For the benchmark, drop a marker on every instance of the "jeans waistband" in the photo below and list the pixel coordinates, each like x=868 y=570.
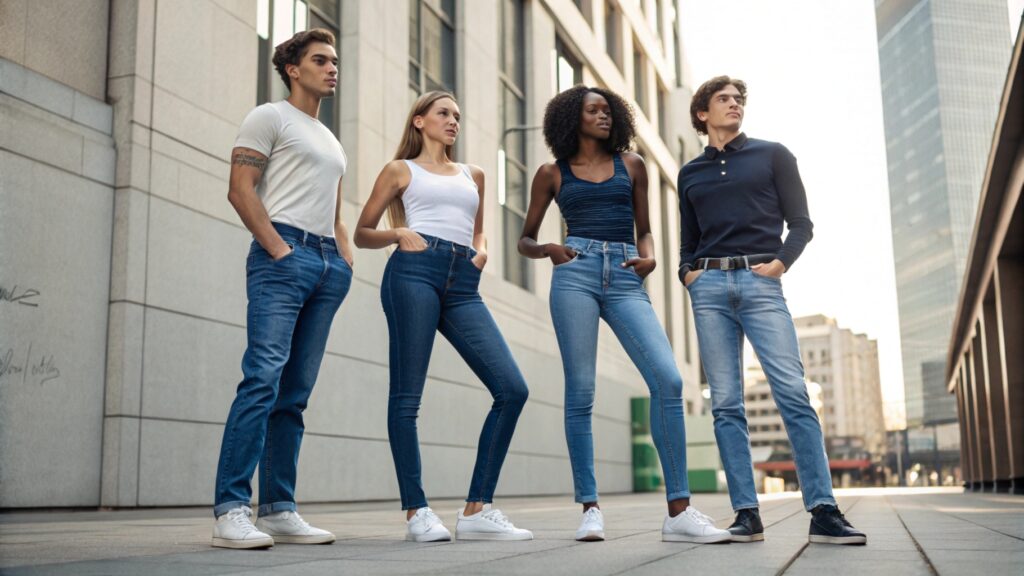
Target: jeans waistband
x=303 y=238
x=626 y=249
x=442 y=245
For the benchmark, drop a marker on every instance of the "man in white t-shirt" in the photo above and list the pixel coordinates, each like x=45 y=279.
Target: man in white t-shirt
x=286 y=171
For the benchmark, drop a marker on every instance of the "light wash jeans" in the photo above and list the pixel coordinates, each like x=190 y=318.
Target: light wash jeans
x=726 y=306
x=592 y=286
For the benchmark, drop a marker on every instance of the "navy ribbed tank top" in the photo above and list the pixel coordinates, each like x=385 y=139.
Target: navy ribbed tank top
x=597 y=210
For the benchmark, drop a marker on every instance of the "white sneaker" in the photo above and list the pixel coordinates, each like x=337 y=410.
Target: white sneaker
x=489 y=524
x=692 y=526
x=592 y=527
x=425 y=526
x=234 y=529
x=288 y=527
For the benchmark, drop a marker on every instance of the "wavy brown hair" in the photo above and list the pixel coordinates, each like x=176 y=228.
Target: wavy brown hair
x=412 y=144
x=702 y=99
x=292 y=50
x=562 y=122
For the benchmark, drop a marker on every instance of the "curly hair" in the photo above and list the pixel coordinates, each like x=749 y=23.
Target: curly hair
x=562 y=121
x=292 y=50
x=702 y=99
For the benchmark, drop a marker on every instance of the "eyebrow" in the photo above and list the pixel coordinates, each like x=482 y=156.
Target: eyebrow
x=333 y=59
x=446 y=109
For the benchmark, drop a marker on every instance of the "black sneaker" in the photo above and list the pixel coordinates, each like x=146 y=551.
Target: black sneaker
x=829 y=526
x=748 y=526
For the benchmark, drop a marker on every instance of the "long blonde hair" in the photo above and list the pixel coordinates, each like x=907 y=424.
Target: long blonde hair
x=411 y=145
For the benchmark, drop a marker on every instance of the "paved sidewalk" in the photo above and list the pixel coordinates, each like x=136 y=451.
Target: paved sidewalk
x=909 y=532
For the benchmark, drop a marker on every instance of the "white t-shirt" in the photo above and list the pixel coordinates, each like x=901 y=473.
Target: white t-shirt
x=299 y=186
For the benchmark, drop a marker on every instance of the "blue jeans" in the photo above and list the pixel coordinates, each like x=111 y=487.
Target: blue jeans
x=291 y=305
x=591 y=286
x=726 y=306
x=432 y=291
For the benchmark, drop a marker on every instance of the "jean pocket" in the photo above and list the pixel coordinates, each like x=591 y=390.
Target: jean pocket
x=286 y=256
x=772 y=279
x=570 y=261
x=700 y=276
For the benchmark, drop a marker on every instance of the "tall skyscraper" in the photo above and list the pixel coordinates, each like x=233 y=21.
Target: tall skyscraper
x=943 y=64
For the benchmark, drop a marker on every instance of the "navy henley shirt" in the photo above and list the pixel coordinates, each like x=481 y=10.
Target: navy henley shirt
x=733 y=203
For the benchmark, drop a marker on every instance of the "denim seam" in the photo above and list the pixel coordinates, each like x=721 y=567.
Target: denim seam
x=572 y=466
x=501 y=414
x=661 y=411
x=391 y=302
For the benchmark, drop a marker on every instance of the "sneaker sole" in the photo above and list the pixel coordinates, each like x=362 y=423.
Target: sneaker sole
x=751 y=538
x=817 y=539
x=242 y=544
x=492 y=536
x=715 y=539
x=592 y=536
x=414 y=538
x=283 y=539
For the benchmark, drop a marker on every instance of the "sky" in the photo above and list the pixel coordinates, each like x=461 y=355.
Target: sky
x=811 y=69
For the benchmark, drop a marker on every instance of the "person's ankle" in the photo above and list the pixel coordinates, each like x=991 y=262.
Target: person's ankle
x=472 y=508
x=589 y=505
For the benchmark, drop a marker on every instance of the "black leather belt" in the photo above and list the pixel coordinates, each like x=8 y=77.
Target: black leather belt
x=732 y=262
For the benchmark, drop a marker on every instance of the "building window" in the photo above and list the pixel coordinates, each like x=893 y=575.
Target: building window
x=568 y=69
x=640 y=78
x=612 y=39
x=431 y=46
x=662 y=113
x=677 y=53
x=512 y=181
x=279 y=20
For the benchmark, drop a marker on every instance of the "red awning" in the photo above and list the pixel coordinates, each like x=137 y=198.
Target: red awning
x=789 y=465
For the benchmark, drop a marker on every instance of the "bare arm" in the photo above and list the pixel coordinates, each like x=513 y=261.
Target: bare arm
x=479 y=239
x=646 y=263
x=542 y=192
x=390 y=183
x=247 y=167
x=341 y=231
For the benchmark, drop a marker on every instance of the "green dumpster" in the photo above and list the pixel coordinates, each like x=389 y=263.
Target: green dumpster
x=646 y=468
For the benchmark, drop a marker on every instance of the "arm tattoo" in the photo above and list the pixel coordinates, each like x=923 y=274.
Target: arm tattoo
x=243 y=159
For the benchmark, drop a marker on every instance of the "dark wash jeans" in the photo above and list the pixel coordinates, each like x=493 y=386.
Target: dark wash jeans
x=291 y=305
x=432 y=291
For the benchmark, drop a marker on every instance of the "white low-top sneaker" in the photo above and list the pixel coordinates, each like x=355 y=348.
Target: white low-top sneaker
x=692 y=526
x=592 y=527
x=489 y=524
x=287 y=527
x=234 y=529
x=425 y=526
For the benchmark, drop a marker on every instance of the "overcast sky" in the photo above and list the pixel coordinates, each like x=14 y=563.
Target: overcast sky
x=812 y=73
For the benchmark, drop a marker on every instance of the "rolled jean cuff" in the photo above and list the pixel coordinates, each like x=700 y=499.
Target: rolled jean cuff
x=222 y=509
x=738 y=507
x=480 y=499
x=415 y=506
x=820 y=501
x=678 y=495
x=276 y=507
x=585 y=499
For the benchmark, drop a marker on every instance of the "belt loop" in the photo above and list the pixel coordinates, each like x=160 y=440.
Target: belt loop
x=305 y=235
x=706 y=261
x=746 y=262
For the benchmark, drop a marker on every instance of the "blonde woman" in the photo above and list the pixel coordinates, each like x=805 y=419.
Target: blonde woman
x=435 y=207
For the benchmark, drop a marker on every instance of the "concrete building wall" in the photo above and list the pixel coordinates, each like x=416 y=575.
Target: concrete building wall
x=142 y=290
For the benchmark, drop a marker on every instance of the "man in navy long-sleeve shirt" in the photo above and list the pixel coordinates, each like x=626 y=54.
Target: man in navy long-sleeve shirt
x=733 y=201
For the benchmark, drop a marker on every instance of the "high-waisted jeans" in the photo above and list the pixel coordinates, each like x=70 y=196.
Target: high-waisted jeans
x=591 y=286
x=437 y=290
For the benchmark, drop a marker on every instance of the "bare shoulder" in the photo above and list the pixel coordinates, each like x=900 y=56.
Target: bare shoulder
x=632 y=159
x=475 y=171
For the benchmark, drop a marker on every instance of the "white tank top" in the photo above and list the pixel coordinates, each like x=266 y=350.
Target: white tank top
x=442 y=206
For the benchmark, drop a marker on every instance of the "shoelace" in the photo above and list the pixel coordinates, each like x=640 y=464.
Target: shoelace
x=295 y=518
x=429 y=518
x=495 y=515
x=592 y=515
x=240 y=517
x=700 y=517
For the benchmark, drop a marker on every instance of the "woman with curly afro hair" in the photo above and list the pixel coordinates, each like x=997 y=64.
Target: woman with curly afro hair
x=601 y=188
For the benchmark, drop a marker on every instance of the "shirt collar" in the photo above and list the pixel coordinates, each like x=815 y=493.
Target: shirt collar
x=737 y=143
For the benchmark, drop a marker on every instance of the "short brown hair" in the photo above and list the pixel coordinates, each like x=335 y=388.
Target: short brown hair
x=292 y=50
x=702 y=99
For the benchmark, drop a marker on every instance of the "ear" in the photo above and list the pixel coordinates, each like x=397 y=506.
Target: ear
x=292 y=70
x=703 y=116
x=417 y=121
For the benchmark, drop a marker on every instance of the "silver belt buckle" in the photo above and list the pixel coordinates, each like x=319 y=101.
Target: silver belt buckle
x=724 y=264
